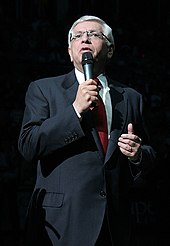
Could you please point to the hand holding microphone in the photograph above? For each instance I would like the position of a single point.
(87, 94)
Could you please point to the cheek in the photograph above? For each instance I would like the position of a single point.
(101, 52)
(100, 49)
(73, 54)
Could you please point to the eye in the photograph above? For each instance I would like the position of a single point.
(95, 34)
(78, 35)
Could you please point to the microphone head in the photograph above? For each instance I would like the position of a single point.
(87, 58)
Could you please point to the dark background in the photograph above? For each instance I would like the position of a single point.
(33, 44)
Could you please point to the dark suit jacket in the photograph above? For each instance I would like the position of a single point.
(75, 182)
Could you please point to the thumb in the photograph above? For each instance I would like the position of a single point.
(130, 129)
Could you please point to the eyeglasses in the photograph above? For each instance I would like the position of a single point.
(90, 34)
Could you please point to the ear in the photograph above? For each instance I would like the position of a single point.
(69, 51)
(110, 52)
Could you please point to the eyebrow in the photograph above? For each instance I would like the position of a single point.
(91, 30)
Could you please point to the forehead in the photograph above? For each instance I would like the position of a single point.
(87, 26)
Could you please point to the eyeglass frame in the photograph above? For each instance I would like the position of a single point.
(90, 34)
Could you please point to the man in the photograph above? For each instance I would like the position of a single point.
(82, 194)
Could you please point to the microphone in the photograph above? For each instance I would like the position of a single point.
(87, 63)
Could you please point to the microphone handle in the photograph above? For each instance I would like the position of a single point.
(88, 71)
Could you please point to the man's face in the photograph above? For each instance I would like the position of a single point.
(87, 37)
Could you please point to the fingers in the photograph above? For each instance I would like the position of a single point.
(87, 94)
(128, 148)
(130, 136)
(129, 143)
(89, 91)
(130, 129)
(132, 140)
(125, 146)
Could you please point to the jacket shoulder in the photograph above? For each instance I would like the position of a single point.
(121, 87)
(58, 80)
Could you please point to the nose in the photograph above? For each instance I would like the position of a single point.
(85, 37)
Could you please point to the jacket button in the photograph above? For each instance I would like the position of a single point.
(103, 193)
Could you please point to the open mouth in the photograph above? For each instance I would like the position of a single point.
(85, 49)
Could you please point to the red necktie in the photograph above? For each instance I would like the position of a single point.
(100, 119)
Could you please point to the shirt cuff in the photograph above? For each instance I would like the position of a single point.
(79, 116)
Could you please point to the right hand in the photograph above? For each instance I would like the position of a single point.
(87, 93)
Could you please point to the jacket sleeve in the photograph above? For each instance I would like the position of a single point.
(148, 154)
(42, 133)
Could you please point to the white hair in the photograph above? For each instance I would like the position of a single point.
(106, 29)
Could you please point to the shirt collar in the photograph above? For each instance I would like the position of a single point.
(79, 76)
(101, 77)
(103, 81)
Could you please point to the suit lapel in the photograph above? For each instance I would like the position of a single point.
(70, 84)
(119, 112)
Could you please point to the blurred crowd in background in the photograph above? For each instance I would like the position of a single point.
(32, 48)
